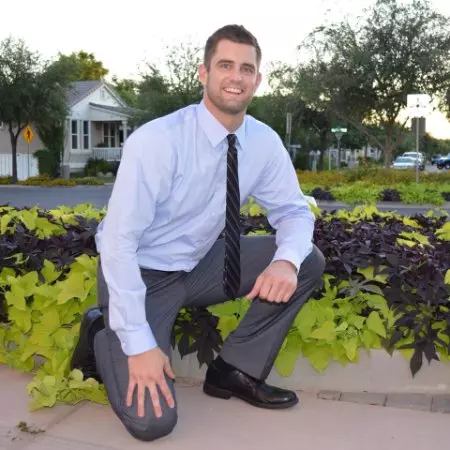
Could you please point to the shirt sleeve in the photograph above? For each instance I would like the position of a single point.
(278, 191)
(143, 174)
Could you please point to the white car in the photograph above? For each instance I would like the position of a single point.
(405, 162)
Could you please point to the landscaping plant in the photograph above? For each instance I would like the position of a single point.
(386, 286)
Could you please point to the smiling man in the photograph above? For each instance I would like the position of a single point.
(181, 182)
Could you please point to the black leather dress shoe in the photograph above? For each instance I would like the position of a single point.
(83, 357)
(224, 381)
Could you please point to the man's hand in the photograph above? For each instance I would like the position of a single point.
(147, 371)
(276, 284)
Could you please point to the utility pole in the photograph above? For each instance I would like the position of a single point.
(418, 106)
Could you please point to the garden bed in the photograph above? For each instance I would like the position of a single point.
(386, 288)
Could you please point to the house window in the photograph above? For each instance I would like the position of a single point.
(86, 134)
(109, 134)
(74, 134)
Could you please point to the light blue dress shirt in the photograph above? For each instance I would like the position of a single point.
(167, 206)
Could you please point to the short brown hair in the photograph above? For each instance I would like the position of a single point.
(234, 33)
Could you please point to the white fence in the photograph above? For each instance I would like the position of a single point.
(27, 166)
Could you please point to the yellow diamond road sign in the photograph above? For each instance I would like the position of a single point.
(28, 134)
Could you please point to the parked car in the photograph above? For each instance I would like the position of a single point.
(416, 156)
(435, 159)
(406, 162)
(444, 162)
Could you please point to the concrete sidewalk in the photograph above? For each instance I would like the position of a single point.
(206, 422)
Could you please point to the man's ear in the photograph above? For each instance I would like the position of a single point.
(258, 80)
(203, 74)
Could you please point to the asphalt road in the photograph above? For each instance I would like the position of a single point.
(98, 196)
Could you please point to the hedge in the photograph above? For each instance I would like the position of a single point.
(386, 285)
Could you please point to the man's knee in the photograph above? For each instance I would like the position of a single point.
(112, 367)
(152, 428)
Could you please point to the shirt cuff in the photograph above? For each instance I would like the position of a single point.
(287, 255)
(137, 341)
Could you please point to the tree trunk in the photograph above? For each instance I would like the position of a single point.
(388, 147)
(14, 154)
(322, 147)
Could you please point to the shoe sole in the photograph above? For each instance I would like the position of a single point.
(225, 394)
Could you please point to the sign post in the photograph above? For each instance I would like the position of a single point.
(338, 132)
(29, 136)
(418, 106)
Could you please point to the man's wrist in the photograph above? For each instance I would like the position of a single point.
(286, 263)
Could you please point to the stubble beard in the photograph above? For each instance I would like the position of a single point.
(232, 108)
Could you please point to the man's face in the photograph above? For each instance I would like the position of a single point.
(232, 78)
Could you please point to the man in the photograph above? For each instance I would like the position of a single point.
(181, 182)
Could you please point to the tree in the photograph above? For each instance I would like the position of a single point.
(363, 72)
(84, 65)
(127, 88)
(31, 91)
(176, 84)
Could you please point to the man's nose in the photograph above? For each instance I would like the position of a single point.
(236, 74)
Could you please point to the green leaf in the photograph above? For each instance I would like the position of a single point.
(226, 325)
(64, 338)
(22, 318)
(306, 320)
(28, 283)
(374, 323)
(326, 332)
(357, 321)
(319, 358)
(4, 223)
(28, 219)
(286, 360)
(225, 309)
(351, 348)
(73, 288)
(16, 298)
(76, 375)
(377, 302)
(342, 327)
(444, 232)
(369, 275)
(447, 277)
(420, 238)
(49, 272)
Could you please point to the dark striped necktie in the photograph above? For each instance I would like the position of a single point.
(232, 269)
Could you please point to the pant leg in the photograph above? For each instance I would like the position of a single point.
(165, 296)
(255, 343)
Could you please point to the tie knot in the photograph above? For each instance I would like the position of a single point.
(232, 139)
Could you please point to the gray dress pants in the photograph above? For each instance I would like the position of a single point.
(252, 347)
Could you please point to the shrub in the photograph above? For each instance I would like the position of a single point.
(6, 180)
(390, 195)
(322, 194)
(384, 287)
(47, 162)
(96, 165)
(89, 181)
(45, 180)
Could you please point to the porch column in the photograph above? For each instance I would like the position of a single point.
(125, 130)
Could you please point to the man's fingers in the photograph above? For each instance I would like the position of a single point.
(266, 288)
(131, 386)
(155, 399)
(168, 369)
(256, 288)
(141, 399)
(166, 393)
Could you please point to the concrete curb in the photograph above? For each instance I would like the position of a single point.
(377, 373)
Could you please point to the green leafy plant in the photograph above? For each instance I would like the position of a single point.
(387, 285)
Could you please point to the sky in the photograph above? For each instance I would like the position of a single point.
(125, 34)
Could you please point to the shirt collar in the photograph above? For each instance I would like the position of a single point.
(214, 130)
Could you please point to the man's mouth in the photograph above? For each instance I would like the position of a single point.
(234, 91)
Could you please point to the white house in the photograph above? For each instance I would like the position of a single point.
(97, 126)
